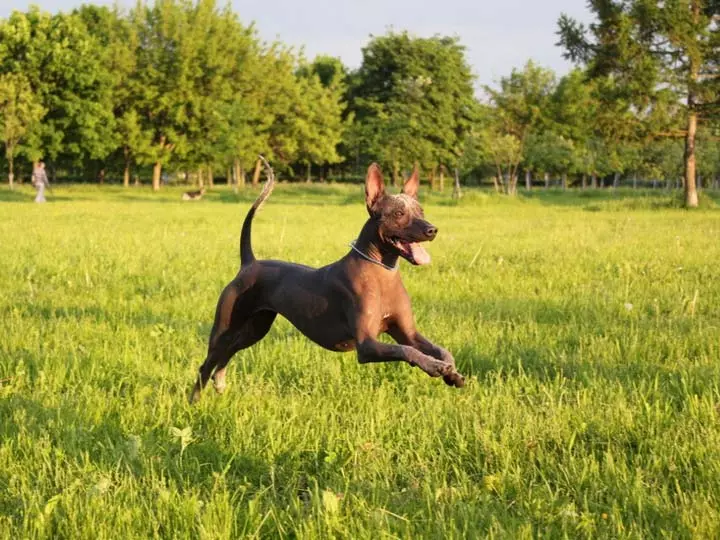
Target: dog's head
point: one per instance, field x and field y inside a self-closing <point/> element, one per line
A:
<point x="400" y="218"/>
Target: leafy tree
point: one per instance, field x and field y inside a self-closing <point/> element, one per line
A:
<point x="64" y="66"/>
<point x="329" y="69"/>
<point x="168" y="64"/>
<point x="657" y="53"/>
<point x="19" y="112"/>
<point x="549" y="152"/>
<point x="319" y="113"/>
<point x="118" y="43"/>
<point x="520" y="105"/>
<point x="413" y="99"/>
<point x="506" y="151"/>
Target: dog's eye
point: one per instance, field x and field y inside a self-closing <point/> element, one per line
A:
<point x="399" y="213"/>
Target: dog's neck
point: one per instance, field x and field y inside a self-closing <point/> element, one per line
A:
<point x="371" y="246"/>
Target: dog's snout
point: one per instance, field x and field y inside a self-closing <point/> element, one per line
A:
<point x="430" y="232"/>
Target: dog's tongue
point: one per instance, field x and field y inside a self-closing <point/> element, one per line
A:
<point x="420" y="254"/>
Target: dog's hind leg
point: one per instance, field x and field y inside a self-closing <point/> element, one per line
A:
<point x="249" y="333"/>
<point x="219" y="351"/>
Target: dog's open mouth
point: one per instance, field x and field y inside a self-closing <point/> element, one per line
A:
<point x="413" y="252"/>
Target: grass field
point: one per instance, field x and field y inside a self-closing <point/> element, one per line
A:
<point x="588" y="326"/>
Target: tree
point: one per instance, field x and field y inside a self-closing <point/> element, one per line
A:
<point x="549" y="152"/>
<point x="520" y="107"/>
<point x="322" y="87"/>
<point x="64" y="66"/>
<point x="19" y="112"/>
<point x="118" y="42"/>
<point x="657" y="53"/>
<point x="164" y="85"/>
<point x="319" y="118"/>
<point x="413" y="100"/>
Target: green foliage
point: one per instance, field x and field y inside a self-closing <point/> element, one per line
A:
<point x="19" y="112"/>
<point x="184" y="85"/>
<point x="413" y="100"/>
<point x="520" y="109"/>
<point x="656" y="56"/>
<point x="64" y="66"/>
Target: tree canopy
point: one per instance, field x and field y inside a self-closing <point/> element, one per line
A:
<point x="188" y="87"/>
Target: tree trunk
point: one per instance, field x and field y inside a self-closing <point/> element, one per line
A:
<point x="442" y="178"/>
<point x="200" y="178"/>
<point x="101" y="176"/>
<point x="309" y="170"/>
<point x="396" y="174"/>
<point x="229" y="177"/>
<point x="126" y="169"/>
<point x="256" y="174"/>
<point x="593" y="180"/>
<point x="432" y="179"/>
<point x="564" y="181"/>
<point x="635" y="181"/>
<point x="691" y="196"/>
<point x="11" y="172"/>
<point x="495" y="183"/>
<point x="457" y="193"/>
<point x="584" y="181"/>
<point x="616" y="180"/>
<point x="239" y="174"/>
<point x="547" y="180"/>
<point x="157" y="171"/>
<point x="528" y="180"/>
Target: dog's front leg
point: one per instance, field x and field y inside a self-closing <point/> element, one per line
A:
<point x="371" y="350"/>
<point x="413" y="338"/>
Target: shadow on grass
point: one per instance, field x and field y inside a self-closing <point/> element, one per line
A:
<point x="596" y="200"/>
<point x="568" y="352"/>
<point x="92" y="448"/>
<point x="93" y="315"/>
<point x="24" y="196"/>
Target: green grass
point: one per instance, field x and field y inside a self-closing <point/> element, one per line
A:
<point x="588" y="327"/>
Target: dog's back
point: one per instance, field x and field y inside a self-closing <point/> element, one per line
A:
<point x="193" y="195"/>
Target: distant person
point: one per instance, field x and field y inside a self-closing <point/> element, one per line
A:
<point x="40" y="180"/>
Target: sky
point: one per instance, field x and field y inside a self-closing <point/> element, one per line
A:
<point x="498" y="35"/>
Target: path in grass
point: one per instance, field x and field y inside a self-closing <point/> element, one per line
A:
<point x="588" y="326"/>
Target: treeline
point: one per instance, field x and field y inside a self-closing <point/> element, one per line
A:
<point x="186" y="87"/>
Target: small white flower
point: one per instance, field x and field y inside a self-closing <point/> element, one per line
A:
<point x="628" y="306"/>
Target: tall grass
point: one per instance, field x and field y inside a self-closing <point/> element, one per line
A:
<point x="589" y="329"/>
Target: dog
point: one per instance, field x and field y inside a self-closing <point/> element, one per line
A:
<point x="193" y="195"/>
<point x="343" y="306"/>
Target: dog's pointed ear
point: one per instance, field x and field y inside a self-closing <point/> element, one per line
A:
<point x="374" y="186"/>
<point x="412" y="184"/>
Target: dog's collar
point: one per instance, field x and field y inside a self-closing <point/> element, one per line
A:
<point x="367" y="258"/>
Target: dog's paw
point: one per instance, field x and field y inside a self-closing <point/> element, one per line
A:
<point x="454" y="379"/>
<point x="219" y="385"/>
<point x="438" y="368"/>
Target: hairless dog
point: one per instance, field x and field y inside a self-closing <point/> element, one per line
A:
<point x="343" y="306"/>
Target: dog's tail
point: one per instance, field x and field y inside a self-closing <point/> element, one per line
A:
<point x="246" y="253"/>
